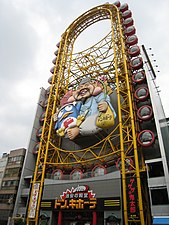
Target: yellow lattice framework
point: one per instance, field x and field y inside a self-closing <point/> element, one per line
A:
<point x="107" y="58"/>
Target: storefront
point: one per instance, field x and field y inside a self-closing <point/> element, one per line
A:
<point x="83" y="203"/>
<point x="80" y="206"/>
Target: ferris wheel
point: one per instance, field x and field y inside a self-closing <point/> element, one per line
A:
<point x="70" y="138"/>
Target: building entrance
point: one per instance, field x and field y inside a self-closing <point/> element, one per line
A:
<point x="80" y="223"/>
<point x="77" y="218"/>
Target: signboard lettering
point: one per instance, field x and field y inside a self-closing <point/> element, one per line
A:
<point x="76" y="198"/>
<point x="75" y="203"/>
<point x="34" y="199"/>
<point x="132" y="198"/>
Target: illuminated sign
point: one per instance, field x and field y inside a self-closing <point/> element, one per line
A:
<point x="99" y="204"/>
<point x="77" y="198"/>
<point x="81" y="198"/>
<point x="75" y="203"/>
<point x="78" y="192"/>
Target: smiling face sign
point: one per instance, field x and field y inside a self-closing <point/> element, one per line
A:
<point x="84" y="91"/>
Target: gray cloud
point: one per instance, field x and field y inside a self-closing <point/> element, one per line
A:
<point x="18" y="42"/>
<point x="29" y="33"/>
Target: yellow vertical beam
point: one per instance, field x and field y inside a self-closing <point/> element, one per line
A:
<point x="120" y="123"/>
<point x="133" y="130"/>
<point x="44" y="146"/>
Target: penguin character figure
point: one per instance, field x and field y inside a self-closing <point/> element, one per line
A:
<point x="68" y="117"/>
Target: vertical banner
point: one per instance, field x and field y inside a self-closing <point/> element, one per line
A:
<point x="34" y="199"/>
<point x="132" y="198"/>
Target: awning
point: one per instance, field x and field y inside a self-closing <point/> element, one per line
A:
<point x="161" y="220"/>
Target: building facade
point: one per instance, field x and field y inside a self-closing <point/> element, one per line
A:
<point x="81" y="168"/>
<point x="30" y="160"/>
<point x="13" y="163"/>
<point x="158" y="164"/>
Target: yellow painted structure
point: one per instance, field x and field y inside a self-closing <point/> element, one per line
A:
<point x="107" y="58"/>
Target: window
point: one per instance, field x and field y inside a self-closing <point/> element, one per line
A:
<point x="4" y="183"/>
<point x="15" y="159"/>
<point x="13" y="172"/>
<point x="3" y="163"/>
<point x="7" y="198"/>
<point x="10" y="183"/>
<point x="155" y="169"/>
<point x="159" y="196"/>
<point x="76" y="174"/>
<point x="1" y="174"/>
<point x="99" y="170"/>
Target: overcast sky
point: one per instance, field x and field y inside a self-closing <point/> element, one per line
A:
<point x="30" y="30"/>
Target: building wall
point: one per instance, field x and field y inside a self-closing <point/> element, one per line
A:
<point x="10" y="183"/>
<point x="29" y="164"/>
<point x="108" y="185"/>
<point x="157" y="167"/>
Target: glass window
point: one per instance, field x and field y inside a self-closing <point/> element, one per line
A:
<point x="76" y="174"/>
<point x="159" y="196"/>
<point x="145" y="112"/>
<point x="12" y="172"/>
<point x="2" y="163"/>
<point x="57" y="174"/>
<point x="1" y="174"/>
<point x="155" y="169"/>
<point x="139" y="76"/>
<point x="99" y="170"/>
<point x="146" y="138"/>
<point x="141" y="93"/>
<point x="16" y="159"/>
<point x="10" y="183"/>
<point x="132" y="40"/>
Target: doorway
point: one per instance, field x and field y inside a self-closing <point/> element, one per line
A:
<point x="80" y="223"/>
<point x="77" y="218"/>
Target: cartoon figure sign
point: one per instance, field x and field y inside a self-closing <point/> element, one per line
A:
<point x="87" y="112"/>
<point x="68" y="117"/>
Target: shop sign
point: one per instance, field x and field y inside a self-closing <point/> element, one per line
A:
<point x="34" y="199"/>
<point x="76" y="198"/>
<point x="132" y="197"/>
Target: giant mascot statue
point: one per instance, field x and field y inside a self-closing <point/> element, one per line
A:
<point x="87" y="110"/>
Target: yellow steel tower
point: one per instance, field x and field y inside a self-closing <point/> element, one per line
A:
<point x="107" y="58"/>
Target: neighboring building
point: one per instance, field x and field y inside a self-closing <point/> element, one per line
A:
<point x="10" y="183"/>
<point x="158" y="163"/>
<point x="117" y="174"/>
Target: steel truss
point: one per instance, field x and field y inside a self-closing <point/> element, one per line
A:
<point x="107" y="58"/>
